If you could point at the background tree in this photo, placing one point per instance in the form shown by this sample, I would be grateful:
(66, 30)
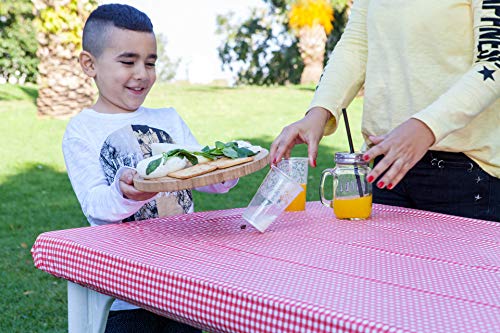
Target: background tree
(166, 68)
(18, 61)
(63, 88)
(262, 49)
(311, 20)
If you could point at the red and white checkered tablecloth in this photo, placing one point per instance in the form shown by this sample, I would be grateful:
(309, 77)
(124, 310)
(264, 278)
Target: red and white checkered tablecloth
(402, 270)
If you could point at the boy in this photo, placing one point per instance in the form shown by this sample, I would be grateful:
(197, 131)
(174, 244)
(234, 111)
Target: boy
(103, 144)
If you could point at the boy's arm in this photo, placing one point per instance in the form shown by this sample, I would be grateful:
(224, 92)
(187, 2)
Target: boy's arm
(101, 203)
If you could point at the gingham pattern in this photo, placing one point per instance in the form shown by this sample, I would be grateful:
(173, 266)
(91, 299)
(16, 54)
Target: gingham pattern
(402, 270)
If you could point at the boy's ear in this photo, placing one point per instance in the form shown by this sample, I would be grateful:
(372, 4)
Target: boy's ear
(87, 62)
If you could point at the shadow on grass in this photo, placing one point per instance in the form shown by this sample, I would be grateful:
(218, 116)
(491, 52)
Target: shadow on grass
(35, 200)
(306, 88)
(38, 196)
(18, 93)
(31, 92)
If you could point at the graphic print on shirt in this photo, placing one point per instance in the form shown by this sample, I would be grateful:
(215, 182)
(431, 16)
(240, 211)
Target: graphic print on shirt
(488, 46)
(126, 147)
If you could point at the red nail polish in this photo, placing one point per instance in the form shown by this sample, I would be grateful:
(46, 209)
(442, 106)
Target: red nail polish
(380, 184)
(366, 157)
(390, 186)
(314, 163)
(370, 179)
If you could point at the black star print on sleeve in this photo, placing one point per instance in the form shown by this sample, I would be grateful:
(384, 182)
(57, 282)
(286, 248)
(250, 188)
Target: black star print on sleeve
(488, 46)
(487, 73)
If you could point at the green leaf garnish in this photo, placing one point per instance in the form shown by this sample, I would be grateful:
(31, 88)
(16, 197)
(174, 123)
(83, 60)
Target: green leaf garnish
(244, 152)
(204, 154)
(190, 157)
(153, 165)
(220, 145)
(230, 152)
(221, 149)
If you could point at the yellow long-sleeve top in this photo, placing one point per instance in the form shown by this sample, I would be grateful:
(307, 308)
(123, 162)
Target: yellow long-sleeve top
(434, 60)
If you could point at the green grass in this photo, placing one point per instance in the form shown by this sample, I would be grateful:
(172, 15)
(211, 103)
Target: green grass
(36, 196)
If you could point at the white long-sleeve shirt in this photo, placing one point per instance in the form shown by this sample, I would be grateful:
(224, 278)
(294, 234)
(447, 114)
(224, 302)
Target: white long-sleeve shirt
(434, 60)
(97, 147)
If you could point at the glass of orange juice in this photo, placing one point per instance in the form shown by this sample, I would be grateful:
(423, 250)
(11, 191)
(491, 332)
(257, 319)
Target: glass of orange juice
(296, 168)
(352, 194)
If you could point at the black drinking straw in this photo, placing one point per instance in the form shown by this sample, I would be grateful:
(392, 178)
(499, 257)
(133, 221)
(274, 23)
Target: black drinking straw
(351, 148)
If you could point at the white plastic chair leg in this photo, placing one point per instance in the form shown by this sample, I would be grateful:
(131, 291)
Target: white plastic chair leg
(87, 309)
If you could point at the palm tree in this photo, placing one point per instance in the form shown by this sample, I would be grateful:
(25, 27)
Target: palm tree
(312, 22)
(63, 88)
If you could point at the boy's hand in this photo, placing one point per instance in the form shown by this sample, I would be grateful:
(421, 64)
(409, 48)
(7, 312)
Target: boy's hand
(402, 148)
(128, 189)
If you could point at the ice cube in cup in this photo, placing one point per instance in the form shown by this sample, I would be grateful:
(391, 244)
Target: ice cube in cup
(275, 193)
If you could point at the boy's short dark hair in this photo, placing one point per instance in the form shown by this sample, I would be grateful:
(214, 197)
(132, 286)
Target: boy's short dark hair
(103, 17)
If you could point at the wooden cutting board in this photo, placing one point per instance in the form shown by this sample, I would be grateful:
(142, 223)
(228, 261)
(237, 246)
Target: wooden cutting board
(169, 184)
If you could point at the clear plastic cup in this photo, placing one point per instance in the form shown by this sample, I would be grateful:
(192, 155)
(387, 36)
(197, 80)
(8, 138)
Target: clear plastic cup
(275, 193)
(297, 169)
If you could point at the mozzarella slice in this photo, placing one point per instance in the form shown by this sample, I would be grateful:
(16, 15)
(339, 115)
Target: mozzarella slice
(248, 145)
(202, 159)
(172, 164)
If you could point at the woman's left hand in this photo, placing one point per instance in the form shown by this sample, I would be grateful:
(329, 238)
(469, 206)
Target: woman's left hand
(403, 147)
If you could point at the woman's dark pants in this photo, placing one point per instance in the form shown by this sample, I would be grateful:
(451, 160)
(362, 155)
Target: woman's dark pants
(449, 183)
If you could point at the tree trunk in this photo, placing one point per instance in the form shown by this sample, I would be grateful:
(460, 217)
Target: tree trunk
(349, 6)
(63, 88)
(311, 45)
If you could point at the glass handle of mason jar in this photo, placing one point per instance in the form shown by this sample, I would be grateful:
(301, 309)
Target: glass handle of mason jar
(324, 175)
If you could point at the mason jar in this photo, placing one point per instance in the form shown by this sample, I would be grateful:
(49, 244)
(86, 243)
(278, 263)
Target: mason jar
(352, 193)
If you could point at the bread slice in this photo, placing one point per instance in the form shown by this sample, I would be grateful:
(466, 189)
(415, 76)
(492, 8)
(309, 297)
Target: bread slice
(224, 162)
(193, 171)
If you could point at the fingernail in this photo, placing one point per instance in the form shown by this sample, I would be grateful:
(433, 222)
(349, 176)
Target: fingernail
(366, 157)
(274, 160)
(370, 179)
(314, 163)
(380, 184)
(390, 186)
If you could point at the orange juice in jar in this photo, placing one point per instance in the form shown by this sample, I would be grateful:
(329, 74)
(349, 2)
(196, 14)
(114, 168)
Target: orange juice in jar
(352, 194)
(353, 208)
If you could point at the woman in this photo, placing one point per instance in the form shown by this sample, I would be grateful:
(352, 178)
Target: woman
(431, 121)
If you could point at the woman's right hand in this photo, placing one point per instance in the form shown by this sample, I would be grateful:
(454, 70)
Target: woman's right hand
(308, 130)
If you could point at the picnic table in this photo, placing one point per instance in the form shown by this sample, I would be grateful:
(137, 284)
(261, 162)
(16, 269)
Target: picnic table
(402, 270)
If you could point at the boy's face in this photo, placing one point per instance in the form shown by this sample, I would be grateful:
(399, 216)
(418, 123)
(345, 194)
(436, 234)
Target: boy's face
(125, 71)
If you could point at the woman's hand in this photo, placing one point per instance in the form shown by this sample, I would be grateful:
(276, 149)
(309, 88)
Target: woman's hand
(128, 189)
(308, 130)
(403, 147)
